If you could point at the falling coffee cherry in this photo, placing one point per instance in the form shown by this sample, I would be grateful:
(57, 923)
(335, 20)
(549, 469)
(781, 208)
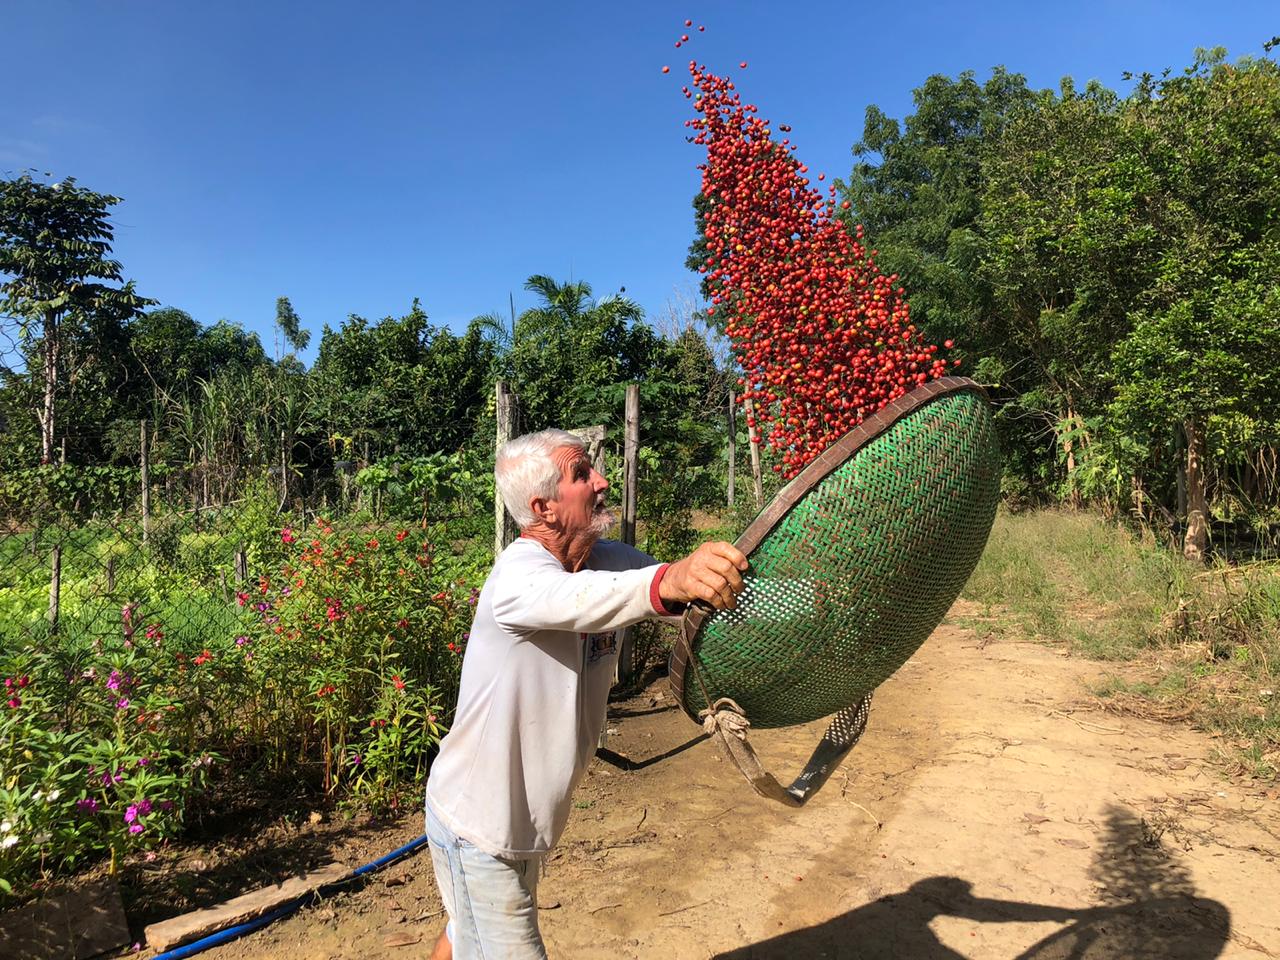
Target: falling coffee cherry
(823, 338)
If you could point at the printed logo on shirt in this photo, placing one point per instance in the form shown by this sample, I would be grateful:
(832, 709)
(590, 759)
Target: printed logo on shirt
(600, 645)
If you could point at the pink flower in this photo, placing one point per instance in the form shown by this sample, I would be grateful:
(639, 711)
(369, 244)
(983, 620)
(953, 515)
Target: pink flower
(286, 535)
(136, 828)
(122, 703)
(131, 813)
(241, 598)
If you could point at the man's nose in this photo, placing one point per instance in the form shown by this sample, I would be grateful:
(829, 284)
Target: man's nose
(598, 481)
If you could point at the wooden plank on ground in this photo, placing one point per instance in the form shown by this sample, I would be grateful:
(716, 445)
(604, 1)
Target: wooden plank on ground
(200, 923)
(74, 926)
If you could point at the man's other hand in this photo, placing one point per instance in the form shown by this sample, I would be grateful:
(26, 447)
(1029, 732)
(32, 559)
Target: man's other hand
(712, 573)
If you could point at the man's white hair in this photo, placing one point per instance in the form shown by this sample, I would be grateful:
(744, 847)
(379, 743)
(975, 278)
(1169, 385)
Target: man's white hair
(524, 470)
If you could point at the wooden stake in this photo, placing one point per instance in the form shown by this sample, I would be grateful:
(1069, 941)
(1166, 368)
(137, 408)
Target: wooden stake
(145, 480)
(625, 669)
(631, 464)
(504, 528)
(733, 445)
(754, 445)
(55, 587)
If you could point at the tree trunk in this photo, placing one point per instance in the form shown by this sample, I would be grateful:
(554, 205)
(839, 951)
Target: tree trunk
(51, 361)
(1196, 541)
(1069, 449)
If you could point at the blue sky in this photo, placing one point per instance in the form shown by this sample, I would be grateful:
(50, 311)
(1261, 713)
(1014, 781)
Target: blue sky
(354, 156)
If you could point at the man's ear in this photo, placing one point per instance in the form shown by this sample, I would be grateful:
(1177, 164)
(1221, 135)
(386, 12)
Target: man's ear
(542, 509)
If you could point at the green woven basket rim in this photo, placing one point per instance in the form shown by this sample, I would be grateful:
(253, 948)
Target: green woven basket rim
(827, 462)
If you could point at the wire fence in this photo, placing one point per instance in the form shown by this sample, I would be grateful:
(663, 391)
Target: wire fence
(97, 551)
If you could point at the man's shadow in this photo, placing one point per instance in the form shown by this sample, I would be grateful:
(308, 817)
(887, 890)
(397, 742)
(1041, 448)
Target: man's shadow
(1149, 911)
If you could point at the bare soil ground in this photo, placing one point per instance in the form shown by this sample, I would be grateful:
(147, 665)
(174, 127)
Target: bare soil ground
(990, 811)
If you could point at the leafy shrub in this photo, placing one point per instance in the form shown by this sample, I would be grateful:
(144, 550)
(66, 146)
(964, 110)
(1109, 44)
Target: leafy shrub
(340, 662)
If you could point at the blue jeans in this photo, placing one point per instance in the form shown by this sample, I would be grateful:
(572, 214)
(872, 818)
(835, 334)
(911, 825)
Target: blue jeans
(492, 902)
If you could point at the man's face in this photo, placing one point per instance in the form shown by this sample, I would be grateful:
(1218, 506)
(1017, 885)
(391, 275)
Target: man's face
(580, 501)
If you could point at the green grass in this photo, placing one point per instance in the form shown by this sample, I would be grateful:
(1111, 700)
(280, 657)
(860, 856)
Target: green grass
(1200, 643)
(1073, 578)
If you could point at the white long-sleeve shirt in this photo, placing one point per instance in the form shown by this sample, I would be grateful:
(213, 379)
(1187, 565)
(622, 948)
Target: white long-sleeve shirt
(535, 686)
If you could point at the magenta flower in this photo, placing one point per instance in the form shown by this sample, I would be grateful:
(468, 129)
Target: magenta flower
(135, 828)
(144, 807)
(122, 703)
(241, 641)
(131, 813)
(88, 805)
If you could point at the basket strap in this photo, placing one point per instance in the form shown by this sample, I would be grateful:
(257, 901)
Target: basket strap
(727, 722)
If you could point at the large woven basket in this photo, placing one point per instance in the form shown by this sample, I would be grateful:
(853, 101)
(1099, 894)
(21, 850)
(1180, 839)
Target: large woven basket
(852, 565)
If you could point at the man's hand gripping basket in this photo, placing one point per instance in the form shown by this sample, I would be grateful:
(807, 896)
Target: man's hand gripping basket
(853, 565)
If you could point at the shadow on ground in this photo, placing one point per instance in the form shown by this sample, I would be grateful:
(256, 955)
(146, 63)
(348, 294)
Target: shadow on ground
(1149, 911)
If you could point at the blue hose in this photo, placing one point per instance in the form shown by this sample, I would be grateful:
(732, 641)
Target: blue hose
(240, 929)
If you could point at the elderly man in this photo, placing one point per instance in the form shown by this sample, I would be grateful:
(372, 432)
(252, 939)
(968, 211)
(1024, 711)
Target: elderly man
(535, 684)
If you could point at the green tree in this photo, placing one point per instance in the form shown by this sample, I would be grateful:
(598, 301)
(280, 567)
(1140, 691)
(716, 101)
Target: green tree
(289, 326)
(402, 384)
(1203, 351)
(1067, 250)
(572, 355)
(55, 246)
(917, 186)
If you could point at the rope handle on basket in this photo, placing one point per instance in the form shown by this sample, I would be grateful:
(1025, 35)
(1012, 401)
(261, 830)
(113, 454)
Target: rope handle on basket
(727, 722)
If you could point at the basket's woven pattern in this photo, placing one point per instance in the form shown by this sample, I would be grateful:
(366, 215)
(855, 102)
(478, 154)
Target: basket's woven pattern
(849, 583)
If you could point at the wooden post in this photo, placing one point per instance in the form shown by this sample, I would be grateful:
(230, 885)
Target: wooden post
(62, 457)
(625, 669)
(733, 446)
(631, 464)
(754, 445)
(242, 566)
(504, 528)
(111, 573)
(145, 480)
(55, 587)
(284, 471)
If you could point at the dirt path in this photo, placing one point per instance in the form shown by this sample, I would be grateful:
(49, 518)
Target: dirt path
(1013, 823)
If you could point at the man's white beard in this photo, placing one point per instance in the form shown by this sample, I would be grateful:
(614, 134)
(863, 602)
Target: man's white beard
(602, 519)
